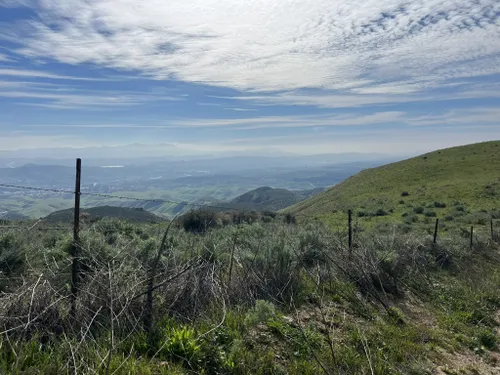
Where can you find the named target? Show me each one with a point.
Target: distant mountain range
(202, 181)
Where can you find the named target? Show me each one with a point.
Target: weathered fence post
(76, 239)
(436, 231)
(471, 236)
(491, 227)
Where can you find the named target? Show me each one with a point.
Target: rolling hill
(455, 184)
(267, 198)
(136, 215)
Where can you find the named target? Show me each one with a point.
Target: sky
(226, 76)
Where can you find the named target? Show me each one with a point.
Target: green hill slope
(136, 215)
(456, 184)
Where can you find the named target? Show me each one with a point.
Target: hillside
(267, 198)
(135, 215)
(459, 183)
(246, 299)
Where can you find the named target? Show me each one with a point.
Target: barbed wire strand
(151, 200)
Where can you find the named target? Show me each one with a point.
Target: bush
(290, 219)
(199, 221)
(479, 218)
(430, 214)
(242, 217)
(11, 254)
(449, 218)
(381, 212)
(261, 313)
(401, 202)
(439, 205)
(405, 228)
(418, 210)
(405, 194)
(488, 339)
(410, 219)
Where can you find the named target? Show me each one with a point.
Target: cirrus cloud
(274, 45)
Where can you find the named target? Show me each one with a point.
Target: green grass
(294, 301)
(465, 180)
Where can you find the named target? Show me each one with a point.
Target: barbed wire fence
(194, 205)
(137, 286)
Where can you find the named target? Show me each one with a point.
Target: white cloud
(41, 74)
(472, 117)
(56, 96)
(5, 58)
(275, 44)
(378, 95)
(236, 109)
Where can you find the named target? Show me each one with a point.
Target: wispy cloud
(481, 116)
(41, 74)
(236, 109)
(5, 58)
(63, 97)
(271, 45)
(379, 95)
(470, 117)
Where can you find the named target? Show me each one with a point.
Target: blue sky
(308, 76)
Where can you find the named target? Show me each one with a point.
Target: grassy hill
(267, 198)
(136, 215)
(459, 184)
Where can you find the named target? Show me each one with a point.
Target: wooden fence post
(76, 239)
(491, 227)
(471, 236)
(436, 231)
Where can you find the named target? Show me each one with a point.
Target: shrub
(11, 254)
(199, 221)
(405, 194)
(381, 212)
(242, 217)
(488, 339)
(418, 210)
(401, 202)
(290, 219)
(261, 313)
(405, 228)
(479, 218)
(439, 205)
(430, 214)
(449, 218)
(410, 219)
